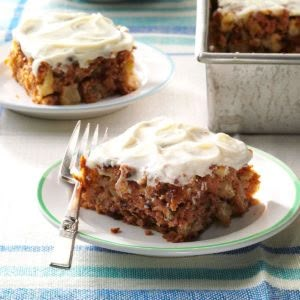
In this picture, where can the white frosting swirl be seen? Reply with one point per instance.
(170, 152)
(244, 7)
(65, 37)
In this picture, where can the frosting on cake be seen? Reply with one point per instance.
(171, 152)
(62, 38)
(244, 7)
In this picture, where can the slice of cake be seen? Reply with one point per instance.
(171, 177)
(72, 58)
(255, 26)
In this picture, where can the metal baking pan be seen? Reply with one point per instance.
(248, 92)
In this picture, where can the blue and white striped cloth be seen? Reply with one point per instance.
(269, 270)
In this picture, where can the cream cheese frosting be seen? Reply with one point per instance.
(61, 38)
(244, 7)
(170, 152)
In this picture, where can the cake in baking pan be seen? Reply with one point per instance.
(269, 26)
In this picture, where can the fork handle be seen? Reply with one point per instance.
(64, 247)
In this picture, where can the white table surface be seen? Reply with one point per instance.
(28, 146)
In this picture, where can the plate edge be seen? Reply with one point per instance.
(279, 225)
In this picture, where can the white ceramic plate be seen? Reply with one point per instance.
(153, 67)
(279, 195)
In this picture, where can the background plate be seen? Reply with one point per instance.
(279, 195)
(153, 67)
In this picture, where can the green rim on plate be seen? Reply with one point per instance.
(288, 218)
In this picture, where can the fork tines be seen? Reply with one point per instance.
(86, 141)
(82, 140)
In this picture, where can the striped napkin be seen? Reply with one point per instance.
(268, 270)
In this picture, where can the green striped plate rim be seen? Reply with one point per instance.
(278, 226)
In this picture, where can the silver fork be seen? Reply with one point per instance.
(77, 146)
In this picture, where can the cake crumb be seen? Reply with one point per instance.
(148, 232)
(115, 230)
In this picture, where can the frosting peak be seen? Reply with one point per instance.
(243, 7)
(64, 37)
(170, 152)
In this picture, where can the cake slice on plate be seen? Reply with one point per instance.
(171, 177)
(72, 58)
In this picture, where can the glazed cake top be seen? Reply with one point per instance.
(61, 38)
(244, 7)
(170, 152)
